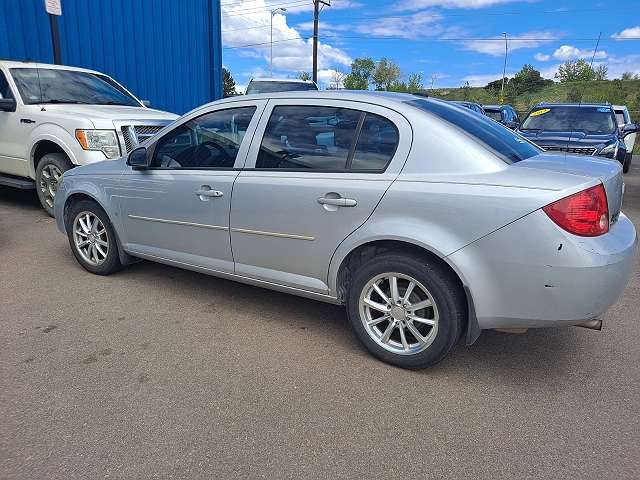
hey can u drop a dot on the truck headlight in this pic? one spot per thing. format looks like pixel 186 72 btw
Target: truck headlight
pixel 609 151
pixel 104 141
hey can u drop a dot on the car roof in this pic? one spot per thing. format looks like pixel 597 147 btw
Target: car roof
pixel 288 80
pixel 496 107
pixel 620 107
pixel 19 64
pixel 390 100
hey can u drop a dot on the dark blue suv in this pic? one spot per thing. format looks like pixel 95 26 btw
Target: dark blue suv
pixel 586 129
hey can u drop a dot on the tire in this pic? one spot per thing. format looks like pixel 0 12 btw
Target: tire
pixel 626 166
pixel 83 224
pixel 432 283
pixel 48 173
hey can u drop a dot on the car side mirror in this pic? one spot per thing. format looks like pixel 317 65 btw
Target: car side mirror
pixel 7 105
pixel 139 158
pixel 146 103
pixel 628 129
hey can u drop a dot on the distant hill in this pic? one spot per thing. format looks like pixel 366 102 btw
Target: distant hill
pixel 617 92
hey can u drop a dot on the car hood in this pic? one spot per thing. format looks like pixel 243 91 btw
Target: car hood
pixel 568 139
pixel 110 112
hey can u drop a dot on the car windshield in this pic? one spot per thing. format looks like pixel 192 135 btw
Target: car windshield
pixel 271 87
pixel 507 144
pixel 48 85
pixel 593 120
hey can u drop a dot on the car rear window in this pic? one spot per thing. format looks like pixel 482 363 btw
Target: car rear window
pixel 507 144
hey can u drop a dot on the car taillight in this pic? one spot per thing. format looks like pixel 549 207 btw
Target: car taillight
pixel 584 213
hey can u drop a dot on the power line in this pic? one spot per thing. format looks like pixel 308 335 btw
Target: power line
pixel 249 11
pixel 302 39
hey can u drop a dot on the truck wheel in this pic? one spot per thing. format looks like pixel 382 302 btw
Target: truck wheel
pixel 406 310
pixel 92 238
pixel 626 166
pixel 48 174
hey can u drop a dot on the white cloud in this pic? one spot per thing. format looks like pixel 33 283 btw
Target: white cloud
pixel 418 4
pixel 291 51
pixel 514 42
pixel 541 57
pixel 418 25
pixel 568 52
pixel 627 33
pixel 616 66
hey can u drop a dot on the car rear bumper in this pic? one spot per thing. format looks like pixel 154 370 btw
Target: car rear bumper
pixel 532 273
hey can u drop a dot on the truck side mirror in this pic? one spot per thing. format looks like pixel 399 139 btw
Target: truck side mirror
pixel 628 129
pixel 7 105
pixel 138 158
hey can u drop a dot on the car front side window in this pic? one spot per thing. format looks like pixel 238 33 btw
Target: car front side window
pixel 5 91
pixel 211 141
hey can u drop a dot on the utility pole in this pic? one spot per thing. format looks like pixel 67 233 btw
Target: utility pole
pixel 433 80
pixel 273 12
pixel 54 9
pixel 504 68
pixel 316 15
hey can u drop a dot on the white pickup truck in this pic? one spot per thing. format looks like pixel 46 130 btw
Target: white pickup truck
pixel 54 117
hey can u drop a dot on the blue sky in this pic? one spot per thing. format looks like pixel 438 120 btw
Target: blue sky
pixel 449 41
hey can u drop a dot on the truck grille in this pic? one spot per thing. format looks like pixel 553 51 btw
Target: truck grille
pixel 134 135
pixel 576 150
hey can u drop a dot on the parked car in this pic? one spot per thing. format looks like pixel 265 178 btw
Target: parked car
pixel 426 220
pixel 55 117
pixel 583 129
pixel 476 107
pixel 273 85
pixel 624 118
pixel 505 114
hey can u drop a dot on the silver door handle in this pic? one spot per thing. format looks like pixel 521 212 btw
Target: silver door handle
pixel 209 193
pixel 338 202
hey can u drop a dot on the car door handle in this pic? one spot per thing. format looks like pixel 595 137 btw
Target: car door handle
pixel 338 202
pixel 209 193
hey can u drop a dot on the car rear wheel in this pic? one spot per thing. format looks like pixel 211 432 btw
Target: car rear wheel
pixel 48 176
pixel 406 310
pixel 92 238
pixel 626 166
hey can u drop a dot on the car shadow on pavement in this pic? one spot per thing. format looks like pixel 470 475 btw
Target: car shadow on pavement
pixel 19 199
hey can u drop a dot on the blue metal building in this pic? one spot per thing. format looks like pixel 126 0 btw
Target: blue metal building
pixel 166 51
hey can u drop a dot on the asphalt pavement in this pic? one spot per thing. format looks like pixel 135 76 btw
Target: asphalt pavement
pixel 157 372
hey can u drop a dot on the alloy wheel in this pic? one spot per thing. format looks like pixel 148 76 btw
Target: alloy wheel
pixel 399 313
pixel 90 238
pixel 49 180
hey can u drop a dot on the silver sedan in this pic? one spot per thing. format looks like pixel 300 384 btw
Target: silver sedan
pixel 427 221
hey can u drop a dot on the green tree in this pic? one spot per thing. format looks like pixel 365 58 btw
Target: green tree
pixel 575 71
pixel 386 74
pixel 414 83
pixel 496 85
pixel 360 76
pixel 306 76
pixel 228 83
pixel 528 79
pixel 600 72
pixel 630 76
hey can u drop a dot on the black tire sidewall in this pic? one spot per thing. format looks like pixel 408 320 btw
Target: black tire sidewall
pixel 441 285
pixel 61 161
pixel 112 262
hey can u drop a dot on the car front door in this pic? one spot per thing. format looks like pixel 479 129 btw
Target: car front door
pixel 178 208
pixel 14 134
pixel 315 172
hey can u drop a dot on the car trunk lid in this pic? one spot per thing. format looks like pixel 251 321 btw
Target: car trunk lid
pixel 607 171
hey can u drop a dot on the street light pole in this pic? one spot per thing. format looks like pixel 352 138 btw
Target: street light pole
pixel 504 68
pixel 273 12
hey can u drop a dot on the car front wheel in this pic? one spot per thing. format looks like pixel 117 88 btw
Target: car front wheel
pixel 92 238
pixel 406 310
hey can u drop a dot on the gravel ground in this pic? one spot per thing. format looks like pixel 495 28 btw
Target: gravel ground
pixel 157 372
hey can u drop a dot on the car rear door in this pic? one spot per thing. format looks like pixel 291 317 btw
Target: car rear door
pixel 315 172
pixel 178 209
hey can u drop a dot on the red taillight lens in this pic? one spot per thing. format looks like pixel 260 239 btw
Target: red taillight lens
pixel 584 213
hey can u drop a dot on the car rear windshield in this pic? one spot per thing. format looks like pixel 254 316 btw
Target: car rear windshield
pixel 48 85
pixel 495 114
pixel 271 87
pixel 590 120
pixel 507 144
